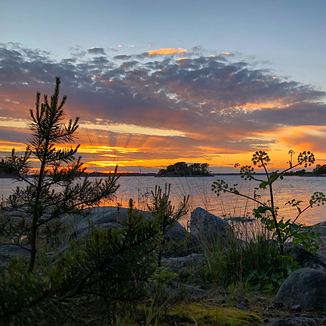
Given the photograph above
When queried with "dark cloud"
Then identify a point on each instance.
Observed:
(122, 57)
(18, 135)
(304, 113)
(96, 51)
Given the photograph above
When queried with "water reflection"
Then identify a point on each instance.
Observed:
(199, 189)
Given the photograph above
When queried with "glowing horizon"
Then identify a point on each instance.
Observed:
(148, 110)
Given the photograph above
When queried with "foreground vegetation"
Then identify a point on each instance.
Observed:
(130, 273)
(268, 212)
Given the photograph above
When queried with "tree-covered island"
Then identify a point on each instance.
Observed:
(182, 169)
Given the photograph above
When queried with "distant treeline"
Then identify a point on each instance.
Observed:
(184, 169)
(8, 170)
(318, 170)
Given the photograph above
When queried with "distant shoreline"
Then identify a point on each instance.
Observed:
(99, 174)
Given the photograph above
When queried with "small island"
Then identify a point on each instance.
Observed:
(182, 169)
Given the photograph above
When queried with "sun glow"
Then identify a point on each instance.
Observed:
(167, 51)
(251, 106)
(13, 123)
(113, 127)
(132, 129)
(7, 146)
(100, 149)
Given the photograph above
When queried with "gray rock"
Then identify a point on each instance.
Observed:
(320, 228)
(295, 321)
(107, 214)
(206, 226)
(177, 232)
(7, 252)
(305, 287)
(114, 217)
(101, 217)
(177, 264)
(304, 257)
(84, 231)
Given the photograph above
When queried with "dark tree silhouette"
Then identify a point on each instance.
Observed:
(183, 169)
(51, 191)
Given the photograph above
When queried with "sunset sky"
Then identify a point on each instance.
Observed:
(157, 82)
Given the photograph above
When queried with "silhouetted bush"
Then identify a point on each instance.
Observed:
(94, 279)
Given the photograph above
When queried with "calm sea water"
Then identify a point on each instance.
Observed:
(199, 190)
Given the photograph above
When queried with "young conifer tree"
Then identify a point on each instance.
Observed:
(52, 190)
(165, 213)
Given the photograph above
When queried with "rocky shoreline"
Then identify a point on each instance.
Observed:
(300, 300)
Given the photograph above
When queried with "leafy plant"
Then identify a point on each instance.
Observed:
(268, 211)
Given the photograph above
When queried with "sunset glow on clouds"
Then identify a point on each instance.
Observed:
(152, 109)
(167, 51)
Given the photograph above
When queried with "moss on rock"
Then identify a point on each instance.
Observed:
(203, 314)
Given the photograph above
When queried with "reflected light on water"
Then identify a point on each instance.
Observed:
(199, 188)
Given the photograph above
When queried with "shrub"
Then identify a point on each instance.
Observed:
(94, 279)
(256, 263)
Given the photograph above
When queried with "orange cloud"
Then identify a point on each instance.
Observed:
(155, 112)
(227, 53)
(7, 146)
(251, 106)
(131, 129)
(182, 59)
(304, 138)
(100, 149)
(167, 51)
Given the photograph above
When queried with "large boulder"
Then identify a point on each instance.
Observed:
(320, 229)
(106, 214)
(115, 217)
(206, 226)
(176, 232)
(306, 287)
(105, 217)
(178, 264)
(304, 257)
